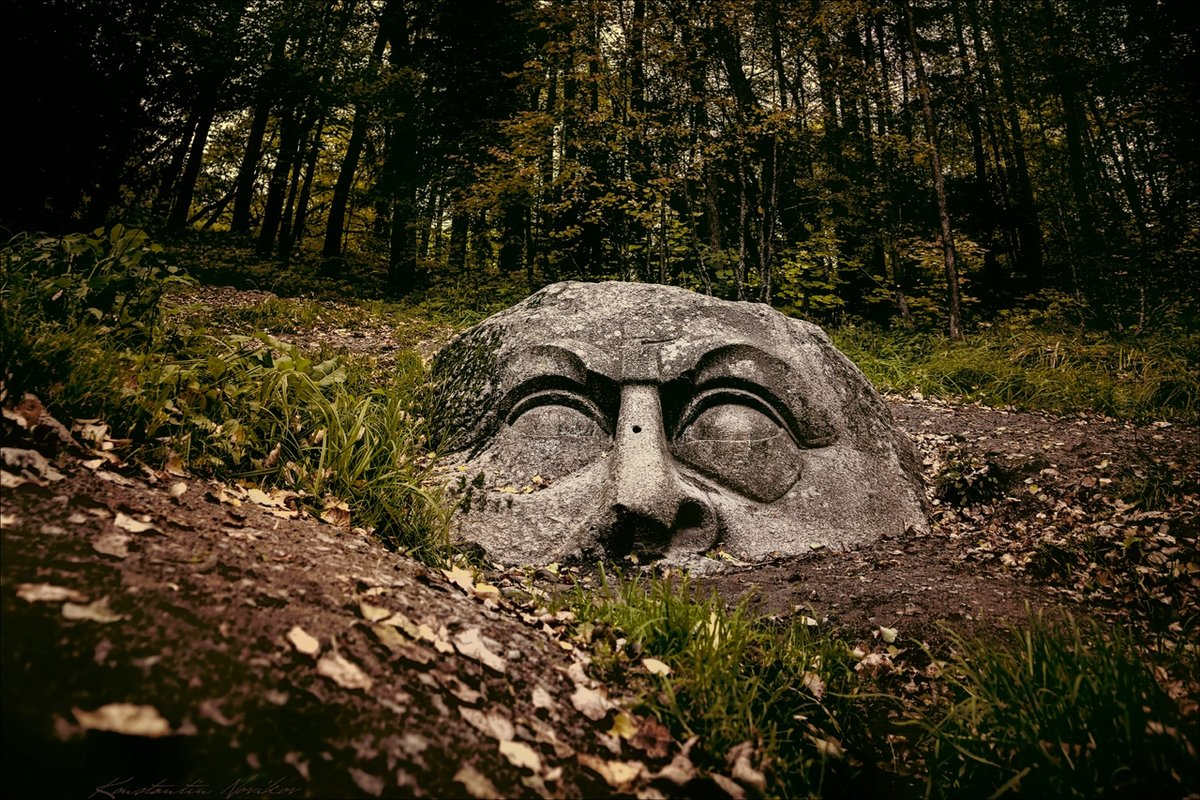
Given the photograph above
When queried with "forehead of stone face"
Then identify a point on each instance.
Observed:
(613, 333)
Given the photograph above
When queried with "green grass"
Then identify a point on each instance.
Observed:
(789, 690)
(229, 406)
(1049, 709)
(1064, 709)
(1015, 364)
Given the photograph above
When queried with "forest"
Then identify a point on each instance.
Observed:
(928, 162)
(238, 239)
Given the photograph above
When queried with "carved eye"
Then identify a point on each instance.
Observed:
(736, 439)
(553, 434)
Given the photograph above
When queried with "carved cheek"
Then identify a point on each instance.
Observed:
(741, 448)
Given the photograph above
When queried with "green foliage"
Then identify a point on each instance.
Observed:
(60, 293)
(1013, 363)
(261, 409)
(1059, 710)
(228, 406)
(736, 678)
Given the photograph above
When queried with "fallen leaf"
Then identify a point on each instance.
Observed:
(591, 704)
(618, 774)
(437, 639)
(398, 620)
(8, 520)
(470, 644)
(728, 786)
(344, 673)
(874, 663)
(117, 478)
(370, 784)
(373, 613)
(112, 544)
(97, 611)
(494, 725)
(812, 681)
(655, 667)
(127, 718)
(31, 462)
(476, 783)
(336, 512)
(303, 643)
(830, 748)
(681, 770)
(388, 637)
(486, 591)
(521, 756)
(541, 698)
(11, 480)
(741, 760)
(174, 465)
(653, 738)
(461, 578)
(623, 726)
(888, 634)
(128, 523)
(48, 593)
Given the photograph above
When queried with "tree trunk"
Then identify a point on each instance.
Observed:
(248, 169)
(939, 184)
(186, 189)
(289, 137)
(331, 250)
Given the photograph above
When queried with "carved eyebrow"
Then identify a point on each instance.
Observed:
(550, 367)
(548, 359)
(745, 367)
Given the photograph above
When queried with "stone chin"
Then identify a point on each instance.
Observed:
(596, 421)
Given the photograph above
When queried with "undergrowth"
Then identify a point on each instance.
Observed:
(789, 691)
(1050, 709)
(1061, 709)
(1016, 364)
(85, 330)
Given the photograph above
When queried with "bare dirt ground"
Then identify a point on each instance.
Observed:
(163, 630)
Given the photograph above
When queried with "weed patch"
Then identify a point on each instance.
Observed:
(1153, 377)
(1061, 709)
(250, 407)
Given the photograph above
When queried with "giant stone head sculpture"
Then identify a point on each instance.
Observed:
(594, 421)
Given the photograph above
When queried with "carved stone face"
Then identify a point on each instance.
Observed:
(602, 420)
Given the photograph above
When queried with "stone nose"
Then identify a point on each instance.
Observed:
(653, 509)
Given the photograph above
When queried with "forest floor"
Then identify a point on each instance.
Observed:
(217, 624)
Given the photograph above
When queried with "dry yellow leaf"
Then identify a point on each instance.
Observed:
(521, 756)
(303, 642)
(127, 718)
(655, 667)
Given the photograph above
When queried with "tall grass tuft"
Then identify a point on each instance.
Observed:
(84, 329)
(791, 691)
(1061, 709)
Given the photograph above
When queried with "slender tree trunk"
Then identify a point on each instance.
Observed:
(248, 169)
(938, 181)
(331, 250)
(1028, 229)
(289, 136)
(186, 189)
(170, 178)
(460, 224)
